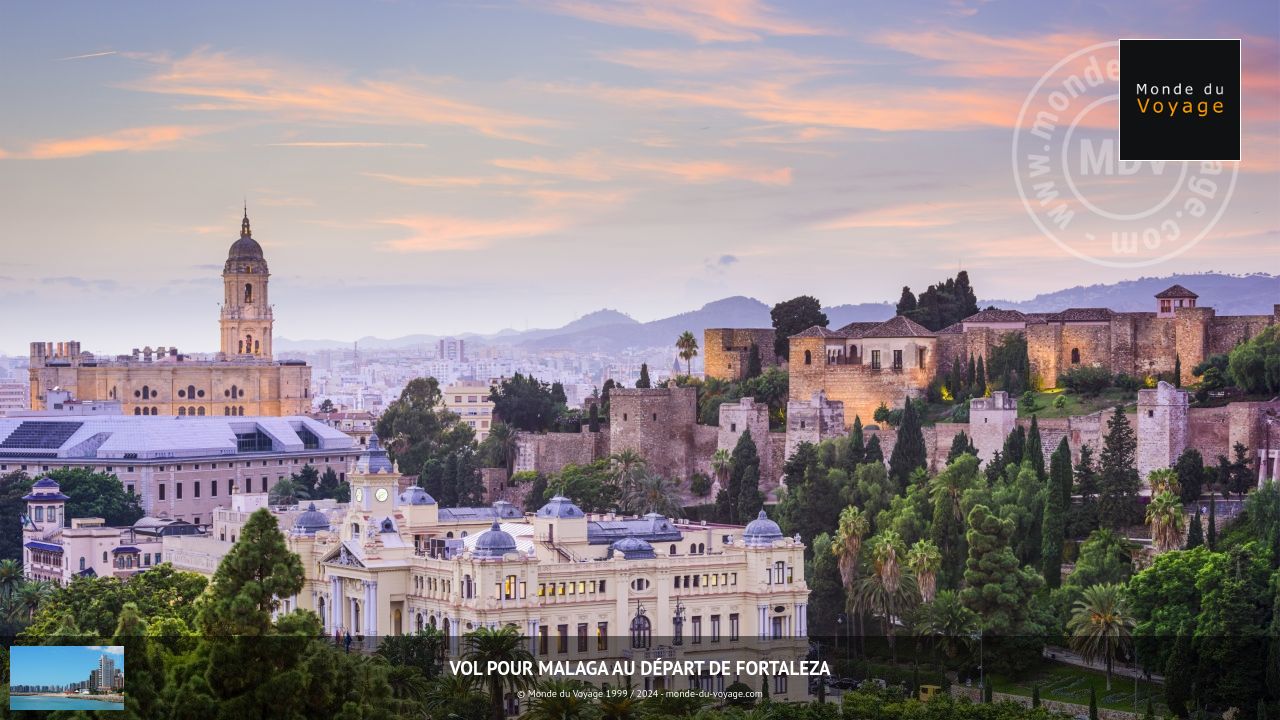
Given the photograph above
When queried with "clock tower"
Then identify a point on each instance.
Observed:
(246, 311)
(374, 484)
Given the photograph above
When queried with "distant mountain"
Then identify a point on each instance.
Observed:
(1228, 294)
(611, 330)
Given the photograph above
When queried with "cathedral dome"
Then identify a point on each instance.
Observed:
(761, 532)
(246, 248)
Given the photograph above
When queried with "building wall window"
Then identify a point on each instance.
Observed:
(808, 358)
(1075, 356)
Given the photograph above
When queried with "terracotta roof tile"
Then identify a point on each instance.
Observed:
(1176, 291)
(899, 327)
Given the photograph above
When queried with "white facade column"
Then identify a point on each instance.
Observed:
(335, 604)
(453, 635)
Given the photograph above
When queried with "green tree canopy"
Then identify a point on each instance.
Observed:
(793, 316)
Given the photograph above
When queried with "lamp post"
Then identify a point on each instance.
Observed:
(840, 626)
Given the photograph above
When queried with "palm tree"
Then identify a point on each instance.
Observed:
(504, 644)
(1167, 521)
(1100, 625)
(888, 591)
(10, 577)
(1164, 479)
(721, 463)
(886, 554)
(948, 621)
(924, 559)
(504, 439)
(29, 597)
(652, 493)
(559, 699)
(626, 465)
(688, 346)
(452, 691)
(848, 542)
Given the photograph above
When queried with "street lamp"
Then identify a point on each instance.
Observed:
(840, 626)
(678, 623)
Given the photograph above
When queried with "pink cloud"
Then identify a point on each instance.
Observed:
(595, 166)
(440, 233)
(454, 181)
(703, 20)
(301, 94)
(138, 139)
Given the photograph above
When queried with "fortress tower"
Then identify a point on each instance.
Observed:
(1162, 428)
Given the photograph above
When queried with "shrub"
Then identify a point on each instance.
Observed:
(1128, 382)
(1087, 380)
(1060, 402)
(700, 485)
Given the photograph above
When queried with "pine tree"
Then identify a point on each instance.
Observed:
(1118, 482)
(1034, 450)
(874, 453)
(993, 565)
(754, 365)
(909, 451)
(906, 301)
(1055, 515)
(1195, 533)
(643, 382)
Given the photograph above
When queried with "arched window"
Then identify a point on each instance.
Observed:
(808, 358)
(673, 550)
(419, 623)
(240, 348)
(641, 632)
(191, 391)
(137, 411)
(191, 411)
(248, 342)
(200, 411)
(702, 548)
(248, 292)
(182, 411)
(468, 587)
(146, 392)
(104, 556)
(1075, 356)
(82, 563)
(39, 513)
(257, 347)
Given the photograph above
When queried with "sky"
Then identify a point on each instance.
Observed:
(450, 167)
(57, 665)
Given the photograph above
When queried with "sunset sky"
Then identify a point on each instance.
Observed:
(453, 167)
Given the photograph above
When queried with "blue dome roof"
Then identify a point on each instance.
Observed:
(416, 496)
(762, 531)
(560, 507)
(633, 548)
(494, 543)
(311, 521)
(374, 459)
(46, 482)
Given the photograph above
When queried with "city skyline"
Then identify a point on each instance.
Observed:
(59, 665)
(419, 166)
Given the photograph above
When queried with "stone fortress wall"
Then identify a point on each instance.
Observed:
(725, 351)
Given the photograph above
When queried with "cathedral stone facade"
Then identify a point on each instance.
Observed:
(241, 379)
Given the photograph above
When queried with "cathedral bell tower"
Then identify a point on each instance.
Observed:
(246, 310)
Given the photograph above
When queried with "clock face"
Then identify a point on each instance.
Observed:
(359, 494)
(381, 494)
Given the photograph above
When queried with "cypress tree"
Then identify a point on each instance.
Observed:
(593, 418)
(1034, 450)
(994, 469)
(980, 378)
(956, 382)
(909, 451)
(1015, 447)
(752, 500)
(857, 447)
(971, 375)
(874, 453)
(1055, 515)
(754, 365)
(1093, 704)
(1195, 533)
(1211, 536)
(960, 445)
(643, 382)
(744, 457)
(1177, 371)
(1118, 481)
